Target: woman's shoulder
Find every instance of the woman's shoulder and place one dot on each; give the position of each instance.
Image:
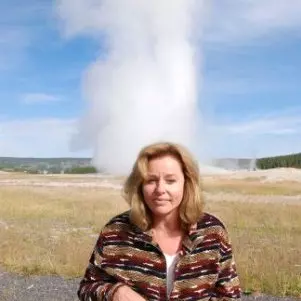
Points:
(210, 226)
(116, 231)
(122, 218)
(117, 226)
(209, 220)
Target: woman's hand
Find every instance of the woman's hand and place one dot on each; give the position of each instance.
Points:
(125, 293)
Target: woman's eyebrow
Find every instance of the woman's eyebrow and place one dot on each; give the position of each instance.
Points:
(165, 175)
(156, 176)
(150, 175)
(170, 175)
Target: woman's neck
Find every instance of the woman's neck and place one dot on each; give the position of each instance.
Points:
(169, 224)
(167, 233)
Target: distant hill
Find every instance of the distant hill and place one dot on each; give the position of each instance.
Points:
(84, 165)
(45, 165)
(16, 160)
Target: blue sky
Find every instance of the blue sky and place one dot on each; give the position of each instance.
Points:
(249, 87)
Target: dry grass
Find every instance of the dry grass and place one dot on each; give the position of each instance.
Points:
(267, 244)
(253, 186)
(51, 230)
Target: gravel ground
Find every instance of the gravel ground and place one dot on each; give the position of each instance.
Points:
(52, 288)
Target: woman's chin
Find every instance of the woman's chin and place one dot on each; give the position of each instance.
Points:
(162, 210)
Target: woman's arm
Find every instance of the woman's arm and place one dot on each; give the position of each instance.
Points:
(97, 285)
(227, 286)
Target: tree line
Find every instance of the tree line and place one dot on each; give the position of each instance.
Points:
(293, 160)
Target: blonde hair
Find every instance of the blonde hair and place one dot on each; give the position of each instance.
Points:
(191, 207)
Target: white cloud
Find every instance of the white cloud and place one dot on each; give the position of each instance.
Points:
(266, 135)
(273, 13)
(38, 138)
(225, 20)
(232, 21)
(275, 123)
(39, 98)
(266, 126)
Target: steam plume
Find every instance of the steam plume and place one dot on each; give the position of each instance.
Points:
(143, 89)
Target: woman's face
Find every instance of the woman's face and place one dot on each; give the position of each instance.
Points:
(164, 187)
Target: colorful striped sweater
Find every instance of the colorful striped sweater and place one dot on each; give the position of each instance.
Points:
(124, 254)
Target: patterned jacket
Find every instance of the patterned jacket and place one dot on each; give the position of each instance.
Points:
(124, 254)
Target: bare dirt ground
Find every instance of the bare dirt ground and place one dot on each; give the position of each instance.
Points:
(15, 287)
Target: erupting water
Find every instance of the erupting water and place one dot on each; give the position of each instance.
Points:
(144, 88)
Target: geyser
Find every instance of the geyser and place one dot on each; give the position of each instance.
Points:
(143, 87)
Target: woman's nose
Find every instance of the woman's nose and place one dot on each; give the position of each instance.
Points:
(160, 187)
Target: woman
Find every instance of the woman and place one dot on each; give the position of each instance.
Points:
(165, 247)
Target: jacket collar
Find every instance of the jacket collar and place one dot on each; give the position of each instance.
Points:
(187, 244)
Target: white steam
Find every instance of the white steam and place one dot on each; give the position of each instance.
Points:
(144, 88)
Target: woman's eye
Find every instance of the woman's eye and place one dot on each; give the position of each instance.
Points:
(150, 181)
(170, 181)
